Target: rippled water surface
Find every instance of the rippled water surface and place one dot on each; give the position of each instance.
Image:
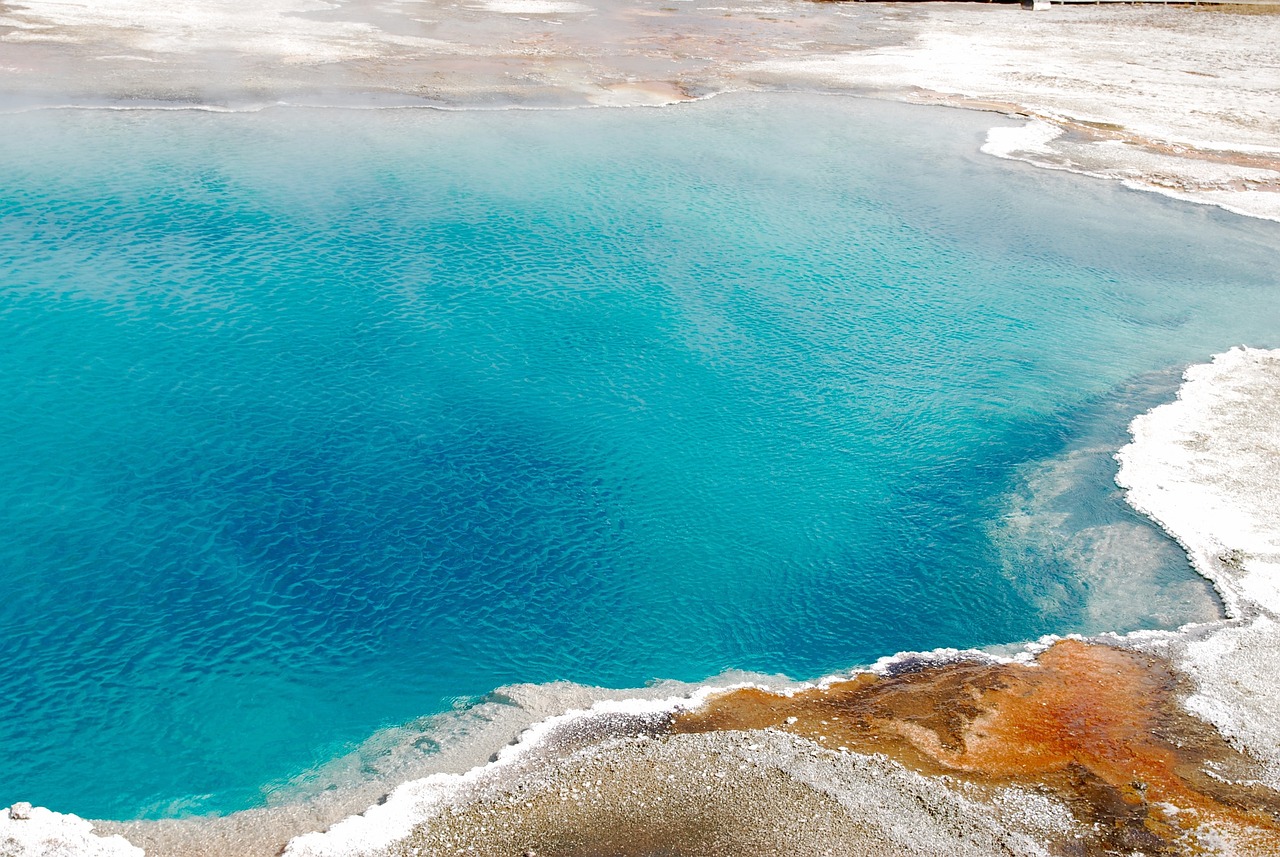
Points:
(315, 421)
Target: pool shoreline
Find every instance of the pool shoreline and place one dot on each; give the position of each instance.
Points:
(1062, 129)
(1140, 95)
(996, 738)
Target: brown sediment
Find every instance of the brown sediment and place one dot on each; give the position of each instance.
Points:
(1099, 727)
(1098, 131)
(650, 804)
(1093, 131)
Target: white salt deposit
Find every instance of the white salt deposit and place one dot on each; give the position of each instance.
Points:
(1207, 468)
(1033, 137)
(1145, 90)
(1237, 675)
(38, 832)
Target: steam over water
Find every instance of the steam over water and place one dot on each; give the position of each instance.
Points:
(319, 420)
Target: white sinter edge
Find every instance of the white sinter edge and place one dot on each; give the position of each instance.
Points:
(414, 802)
(1207, 468)
(44, 833)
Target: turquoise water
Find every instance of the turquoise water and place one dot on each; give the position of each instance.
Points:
(316, 421)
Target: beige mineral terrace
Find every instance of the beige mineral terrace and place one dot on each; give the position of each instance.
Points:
(1174, 99)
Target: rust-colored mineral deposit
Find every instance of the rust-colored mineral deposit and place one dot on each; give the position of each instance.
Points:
(1099, 727)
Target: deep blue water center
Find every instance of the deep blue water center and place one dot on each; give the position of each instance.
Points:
(315, 420)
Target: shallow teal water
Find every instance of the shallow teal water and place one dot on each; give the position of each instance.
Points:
(317, 420)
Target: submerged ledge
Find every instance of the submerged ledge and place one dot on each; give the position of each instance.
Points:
(1157, 742)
